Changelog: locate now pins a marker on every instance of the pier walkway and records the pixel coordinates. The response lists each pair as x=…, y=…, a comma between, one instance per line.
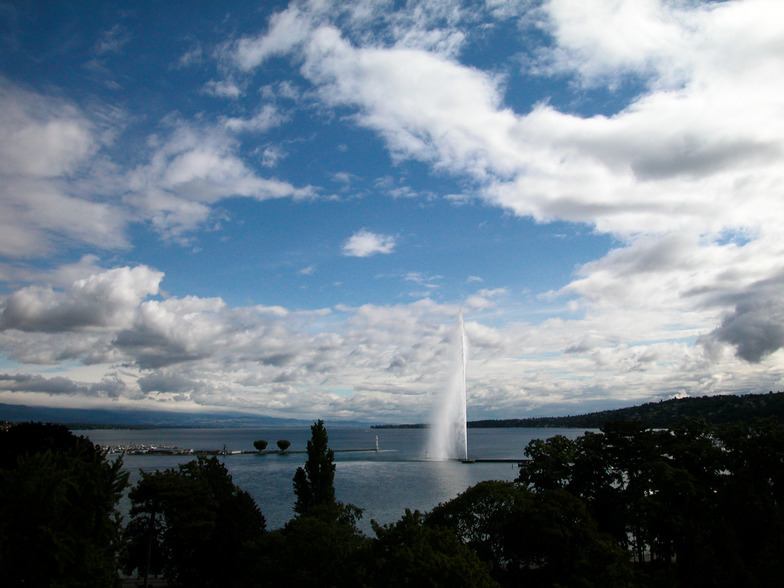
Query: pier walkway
x=164, y=450
x=496, y=460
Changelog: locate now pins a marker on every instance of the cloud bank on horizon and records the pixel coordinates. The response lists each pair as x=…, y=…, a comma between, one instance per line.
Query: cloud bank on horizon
x=282, y=207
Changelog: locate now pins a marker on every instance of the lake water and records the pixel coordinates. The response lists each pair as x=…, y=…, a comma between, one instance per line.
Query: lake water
x=383, y=483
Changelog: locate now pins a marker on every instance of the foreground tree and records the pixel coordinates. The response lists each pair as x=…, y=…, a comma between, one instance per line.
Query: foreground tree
x=751, y=500
x=411, y=553
x=59, y=524
x=482, y=517
x=550, y=465
x=695, y=505
x=542, y=539
x=321, y=545
x=557, y=543
x=314, y=484
x=193, y=525
x=314, y=550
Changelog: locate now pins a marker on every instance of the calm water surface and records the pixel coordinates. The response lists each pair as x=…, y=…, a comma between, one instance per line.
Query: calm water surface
x=383, y=483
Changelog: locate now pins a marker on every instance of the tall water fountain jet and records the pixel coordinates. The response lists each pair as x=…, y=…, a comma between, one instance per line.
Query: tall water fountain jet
x=448, y=432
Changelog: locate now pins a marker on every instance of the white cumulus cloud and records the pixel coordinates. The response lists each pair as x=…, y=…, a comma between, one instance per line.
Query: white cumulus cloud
x=104, y=300
x=365, y=243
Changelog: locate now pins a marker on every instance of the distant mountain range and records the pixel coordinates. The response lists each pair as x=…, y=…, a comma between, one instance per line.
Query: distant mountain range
x=666, y=413
x=718, y=409
x=102, y=418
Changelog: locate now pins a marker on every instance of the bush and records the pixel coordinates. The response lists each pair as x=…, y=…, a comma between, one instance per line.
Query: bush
x=59, y=523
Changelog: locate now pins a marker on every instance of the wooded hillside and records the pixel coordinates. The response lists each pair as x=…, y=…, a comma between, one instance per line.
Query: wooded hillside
x=666, y=413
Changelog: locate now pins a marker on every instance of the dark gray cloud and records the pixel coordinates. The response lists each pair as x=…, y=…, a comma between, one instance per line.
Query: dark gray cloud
x=110, y=386
x=754, y=328
x=689, y=157
x=163, y=382
x=278, y=359
x=175, y=331
x=31, y=383
x=151, y=350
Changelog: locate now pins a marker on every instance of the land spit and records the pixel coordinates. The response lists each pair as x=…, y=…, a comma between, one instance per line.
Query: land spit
x=142, y=449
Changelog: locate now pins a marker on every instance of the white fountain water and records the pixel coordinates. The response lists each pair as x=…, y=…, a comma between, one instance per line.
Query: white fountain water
x=448, y=432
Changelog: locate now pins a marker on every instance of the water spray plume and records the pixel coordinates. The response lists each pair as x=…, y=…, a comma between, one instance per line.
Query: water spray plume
x=448, y=433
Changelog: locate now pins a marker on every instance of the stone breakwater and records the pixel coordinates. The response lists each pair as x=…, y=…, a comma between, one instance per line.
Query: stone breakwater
x=144, y=449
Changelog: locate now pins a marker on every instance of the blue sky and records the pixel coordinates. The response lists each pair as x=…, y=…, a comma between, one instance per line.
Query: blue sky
x=281, y=207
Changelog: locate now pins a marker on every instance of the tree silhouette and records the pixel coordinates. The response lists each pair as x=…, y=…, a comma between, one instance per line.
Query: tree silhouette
x=59, y=525
x=412, y=553
x=284, y=444
x=260, y=445
x=195, y=525
x=324, y=531
x=315, y=484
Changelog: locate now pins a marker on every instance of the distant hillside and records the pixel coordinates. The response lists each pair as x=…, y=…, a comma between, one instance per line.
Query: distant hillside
x=666, y=413
x=101, y=418
x=718, y=409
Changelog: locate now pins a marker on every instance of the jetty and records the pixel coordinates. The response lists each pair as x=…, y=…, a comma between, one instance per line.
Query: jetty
x=265, y=452
x=144, y=449
x=497, y=460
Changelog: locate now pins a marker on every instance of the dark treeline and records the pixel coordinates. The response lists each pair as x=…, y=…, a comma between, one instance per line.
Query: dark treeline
x=692, y=505
x=720, y=409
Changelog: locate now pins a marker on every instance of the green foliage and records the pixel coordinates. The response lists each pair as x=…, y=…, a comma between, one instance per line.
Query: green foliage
x=314, y=484
x=198, y=527
x=551, y=462
x=558, y=544
x=319, y=549
x=694, y=505
x=529, y=539
x=260, y=444
x=752, y=497
x=482, y=518
x=58, y=520
x=320, y=546
x=284, y=444
x=411, y=553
